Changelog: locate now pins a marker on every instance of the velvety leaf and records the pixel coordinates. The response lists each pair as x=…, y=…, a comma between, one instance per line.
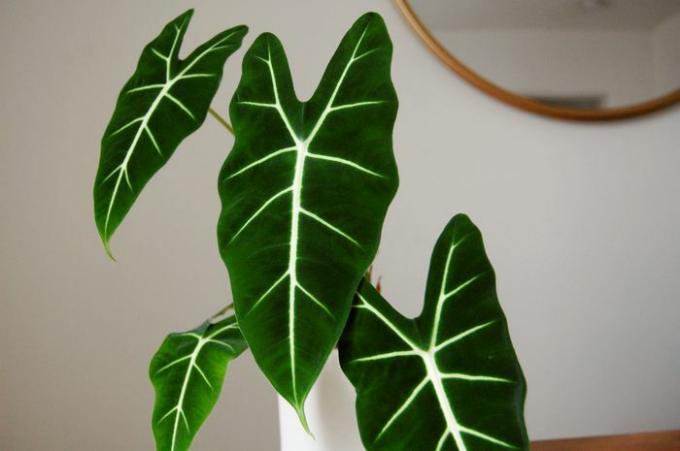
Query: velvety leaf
x=304, y=194
x=448, y=380
x=165, y=100
x=187, y=373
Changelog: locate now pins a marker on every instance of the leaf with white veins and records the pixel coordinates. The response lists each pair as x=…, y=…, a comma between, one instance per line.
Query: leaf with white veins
x=165, y=100
x=187, y=373
x=304, y=194
x=447, y=380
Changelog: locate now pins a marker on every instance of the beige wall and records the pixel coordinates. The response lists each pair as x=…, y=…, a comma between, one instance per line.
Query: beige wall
x=581, y=222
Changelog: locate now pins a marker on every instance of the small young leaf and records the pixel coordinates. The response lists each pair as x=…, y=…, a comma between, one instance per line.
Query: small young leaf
x=448, y=380
x=304, y=194
x=187, y=373
x=165, y=100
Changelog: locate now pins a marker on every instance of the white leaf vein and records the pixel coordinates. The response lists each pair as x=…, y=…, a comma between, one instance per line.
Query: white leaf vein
x=344, y=161
x=328, y=225
x=262, y=160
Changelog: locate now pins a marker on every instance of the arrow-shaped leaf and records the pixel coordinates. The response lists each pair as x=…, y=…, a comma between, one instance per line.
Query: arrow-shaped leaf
x=448, y=380
x=165, y=100
x=187, y=373
x=304, y=194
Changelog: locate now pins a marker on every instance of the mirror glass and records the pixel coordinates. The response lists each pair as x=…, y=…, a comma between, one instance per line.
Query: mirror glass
x=583, y=54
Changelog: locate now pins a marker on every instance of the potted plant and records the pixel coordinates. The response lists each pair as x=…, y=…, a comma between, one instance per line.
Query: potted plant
x=304, y=192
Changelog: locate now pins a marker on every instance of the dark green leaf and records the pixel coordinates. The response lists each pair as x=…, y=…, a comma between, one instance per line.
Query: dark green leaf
x=304, y=194
x=448, y=380
x=187, y=373
x=165, y=101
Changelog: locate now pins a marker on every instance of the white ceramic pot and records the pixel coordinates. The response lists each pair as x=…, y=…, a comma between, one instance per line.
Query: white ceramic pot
x=330, y=414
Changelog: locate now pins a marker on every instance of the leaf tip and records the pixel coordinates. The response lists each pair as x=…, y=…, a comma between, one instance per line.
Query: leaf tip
x=461, y=217
x=241, y=30
x=370, y=17
x=107, y=248
x=300, y=409
x=186, y=14
x=460, y=221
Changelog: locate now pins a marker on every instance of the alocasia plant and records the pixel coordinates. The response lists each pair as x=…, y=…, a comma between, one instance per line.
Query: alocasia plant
x=187, y=373
x=448, y=379
x=304, y=194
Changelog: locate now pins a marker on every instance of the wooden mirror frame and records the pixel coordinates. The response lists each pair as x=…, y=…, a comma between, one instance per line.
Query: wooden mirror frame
x=524, y=103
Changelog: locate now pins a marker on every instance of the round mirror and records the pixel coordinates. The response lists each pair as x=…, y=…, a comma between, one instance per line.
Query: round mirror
x=575, y=59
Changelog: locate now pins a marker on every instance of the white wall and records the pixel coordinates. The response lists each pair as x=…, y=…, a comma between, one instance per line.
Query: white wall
x=581, y=222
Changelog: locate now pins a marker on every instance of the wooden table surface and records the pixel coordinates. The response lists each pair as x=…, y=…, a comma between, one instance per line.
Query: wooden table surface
x=645, y=441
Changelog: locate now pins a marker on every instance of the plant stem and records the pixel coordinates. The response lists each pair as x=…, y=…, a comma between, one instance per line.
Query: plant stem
x=223, y=311
x=226, y=125
x=221, y=120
